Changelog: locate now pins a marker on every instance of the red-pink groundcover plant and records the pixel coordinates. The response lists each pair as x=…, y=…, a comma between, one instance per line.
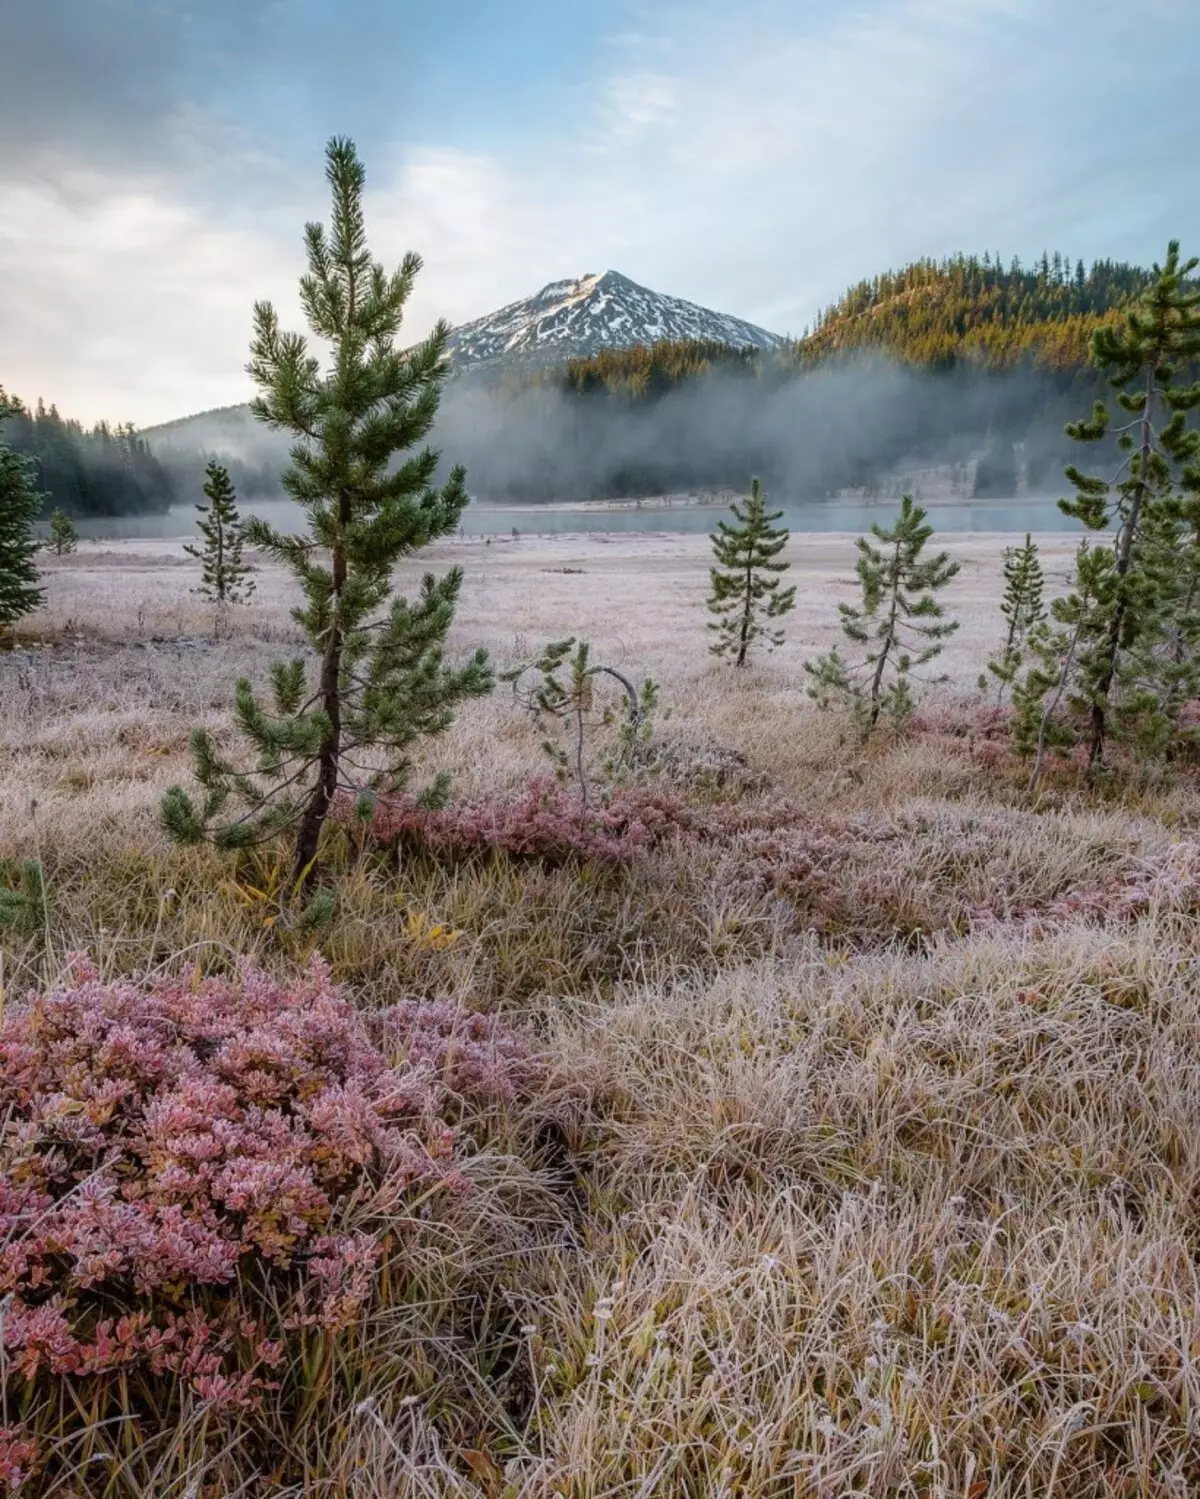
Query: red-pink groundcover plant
x=195, y=1174
x=543, y=821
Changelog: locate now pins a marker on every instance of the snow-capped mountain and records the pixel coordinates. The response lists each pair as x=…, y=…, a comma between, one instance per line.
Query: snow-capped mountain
x=565, y=320
x=576, y=318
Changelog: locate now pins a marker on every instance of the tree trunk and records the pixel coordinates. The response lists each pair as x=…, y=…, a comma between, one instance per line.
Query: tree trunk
x=889, y=640
x=1124, y=551
x=746, y=617
x=308, y=836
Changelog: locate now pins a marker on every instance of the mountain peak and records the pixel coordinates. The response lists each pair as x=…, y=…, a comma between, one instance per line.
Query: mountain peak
x=584, y=314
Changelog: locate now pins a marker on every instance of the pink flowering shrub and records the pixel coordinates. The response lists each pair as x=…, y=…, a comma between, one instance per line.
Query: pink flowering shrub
x=193, y=1177
x=545, y=822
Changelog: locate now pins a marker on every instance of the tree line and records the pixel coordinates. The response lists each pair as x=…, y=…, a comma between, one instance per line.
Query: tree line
x=104, y=470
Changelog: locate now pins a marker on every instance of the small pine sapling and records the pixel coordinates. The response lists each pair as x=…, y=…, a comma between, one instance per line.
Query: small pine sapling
x=64, y=538
x=20, y=505
x=1057, y=675
x=345, y=720
x=226, y=577
x=745, y=583
x=561, y=685
x=1023, y=611
x=24, y=900
x=900, y=622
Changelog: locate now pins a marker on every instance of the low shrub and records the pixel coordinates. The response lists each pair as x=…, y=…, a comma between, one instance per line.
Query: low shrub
x=201, y=1181
x=545, y=821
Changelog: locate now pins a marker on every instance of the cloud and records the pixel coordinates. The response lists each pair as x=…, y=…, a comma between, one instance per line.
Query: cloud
x=160, y=161
x=130, y=305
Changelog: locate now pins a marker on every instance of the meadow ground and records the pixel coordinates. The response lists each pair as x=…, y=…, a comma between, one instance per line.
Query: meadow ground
x=870, y=1160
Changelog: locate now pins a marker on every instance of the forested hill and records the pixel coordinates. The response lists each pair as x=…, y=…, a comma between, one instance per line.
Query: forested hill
x=937, y=314
x=102, y=471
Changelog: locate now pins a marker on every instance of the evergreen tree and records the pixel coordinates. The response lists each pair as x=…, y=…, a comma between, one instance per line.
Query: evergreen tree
x=226, y=578
x=1052, y=680
x=20, y=504
x=1181, y=551
x=1124, y=670
x=1023, y=611
x=345, y=720
x=64, y=538
x=745, y=583
x=900, y=621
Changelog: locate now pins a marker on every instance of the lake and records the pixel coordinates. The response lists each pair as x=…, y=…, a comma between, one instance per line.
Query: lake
x=1016, y=516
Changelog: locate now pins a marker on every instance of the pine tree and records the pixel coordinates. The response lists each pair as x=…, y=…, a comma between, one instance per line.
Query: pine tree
x=344, y=720
x=1119, y=682
x=1023, y=611
x=226, y=578
x=1181, y=647
x=20, y=504
x=64, y=538
x=745, y=583
x=900, y=622
x=1054, y=678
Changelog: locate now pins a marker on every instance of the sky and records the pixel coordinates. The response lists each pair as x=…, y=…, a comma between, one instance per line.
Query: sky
x=159, y=158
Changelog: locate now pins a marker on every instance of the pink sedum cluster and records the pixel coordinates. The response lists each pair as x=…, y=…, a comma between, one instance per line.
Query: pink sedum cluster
x=192, y=1174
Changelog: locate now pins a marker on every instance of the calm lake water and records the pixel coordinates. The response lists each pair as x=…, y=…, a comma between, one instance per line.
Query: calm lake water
x=1017, y=516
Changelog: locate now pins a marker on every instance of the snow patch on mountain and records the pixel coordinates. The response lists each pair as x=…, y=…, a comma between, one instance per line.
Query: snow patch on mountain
x=572, y=319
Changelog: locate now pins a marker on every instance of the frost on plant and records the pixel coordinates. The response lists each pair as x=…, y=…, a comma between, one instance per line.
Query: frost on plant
x=194, y=1176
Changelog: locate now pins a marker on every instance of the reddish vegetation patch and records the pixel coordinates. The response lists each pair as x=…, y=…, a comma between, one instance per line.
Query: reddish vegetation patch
x=869, y=880
x=193, y=1175
x=545, y=821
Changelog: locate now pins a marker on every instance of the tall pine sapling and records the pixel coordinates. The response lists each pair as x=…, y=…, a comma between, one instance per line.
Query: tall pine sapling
x=745, y=583
x=20, y=505
x=1119, y=688
x=1023, y=611
x=64, y=538
x=900, y=622
x=225, y=578
x=345, y=719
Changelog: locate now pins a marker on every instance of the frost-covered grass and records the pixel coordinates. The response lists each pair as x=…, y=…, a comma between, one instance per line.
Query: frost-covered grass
x=864, y=1151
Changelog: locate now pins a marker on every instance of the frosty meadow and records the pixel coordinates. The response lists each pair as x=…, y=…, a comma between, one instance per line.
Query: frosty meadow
x=469, y=1029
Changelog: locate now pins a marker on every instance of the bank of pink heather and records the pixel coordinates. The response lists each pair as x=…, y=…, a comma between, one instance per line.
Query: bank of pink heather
x=178, y=1162
x=545, y=821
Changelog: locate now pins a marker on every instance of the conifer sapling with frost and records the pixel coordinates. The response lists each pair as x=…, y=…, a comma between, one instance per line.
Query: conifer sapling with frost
x=20, y=504
x=226, y=577
x=64, y=538
x=746, y=594
x=1023, y=611
x=900, y=622
x=345, y=719
x=1130, y=657
x=1050, y=681
x=572, y=701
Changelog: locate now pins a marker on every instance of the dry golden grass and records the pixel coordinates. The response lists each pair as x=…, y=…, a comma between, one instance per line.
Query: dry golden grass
x=907, y=1207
